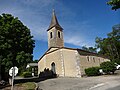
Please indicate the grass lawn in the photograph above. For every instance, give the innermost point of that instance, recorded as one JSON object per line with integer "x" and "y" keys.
{"x": 22, "y": 86}
{"x": 29, "y": 85}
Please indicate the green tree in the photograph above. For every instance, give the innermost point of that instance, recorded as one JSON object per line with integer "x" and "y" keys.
{"x": 114, "y": 3}
{"x": 108, "y": 67}
{"x": 90, "y": 49}
{"x": 110, "y": 46}
{"x": 35, "y": 61}
{"x": 16, "y": 42}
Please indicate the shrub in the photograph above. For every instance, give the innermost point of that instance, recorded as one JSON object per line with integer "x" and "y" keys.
{"x": 108, "y": 67}
{"x": 47, "y": 74}
{"x": 27, "y": 74}
{"x": 92, "y": 71}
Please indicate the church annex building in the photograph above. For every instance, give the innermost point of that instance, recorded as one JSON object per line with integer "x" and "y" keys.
{"x": 64, "y": 61}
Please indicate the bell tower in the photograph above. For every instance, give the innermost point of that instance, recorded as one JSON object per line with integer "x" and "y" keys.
{"x": 55, "y": 33}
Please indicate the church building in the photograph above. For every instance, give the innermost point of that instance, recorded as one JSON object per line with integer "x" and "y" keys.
{"x": 64, "y": 61}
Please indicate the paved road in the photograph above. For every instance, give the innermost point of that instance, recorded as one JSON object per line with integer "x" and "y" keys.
{"x": 89, "y": 83}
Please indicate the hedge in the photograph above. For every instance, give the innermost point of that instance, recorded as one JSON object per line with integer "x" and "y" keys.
{"x": 27, "y": 74}
{"x": 92, "y": 71}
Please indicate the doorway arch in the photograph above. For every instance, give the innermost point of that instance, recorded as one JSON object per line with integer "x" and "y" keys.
{"x": 53, "y": 68}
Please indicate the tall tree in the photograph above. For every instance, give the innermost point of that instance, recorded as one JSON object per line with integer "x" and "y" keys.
{"x": 114, "y": 3}
{"x": 90, "y": 49}
{"x": 110, "y": 46}
{"x": 16, "y": 42}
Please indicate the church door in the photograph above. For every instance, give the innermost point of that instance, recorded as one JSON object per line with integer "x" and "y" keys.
{"x": 53, "y": 68}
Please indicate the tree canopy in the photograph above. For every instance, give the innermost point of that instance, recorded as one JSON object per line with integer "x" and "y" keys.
{"x": 89, "y": 49}
{"x": 114, "y": 3}
{"x": 110, "y": 46}
{"x": 16, "y": 42}
{"x": 108, "y": 67}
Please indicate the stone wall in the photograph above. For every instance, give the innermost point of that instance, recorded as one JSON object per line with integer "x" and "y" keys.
{"x": 69, "y": 62}
{"x": 55, "y": 41}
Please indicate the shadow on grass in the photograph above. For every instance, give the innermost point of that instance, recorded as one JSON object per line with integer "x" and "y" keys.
{"x": 1, "y": 87}
{"x": 46, "y": 74}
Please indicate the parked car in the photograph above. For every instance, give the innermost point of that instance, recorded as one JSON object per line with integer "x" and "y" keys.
{"x": 117, "y": 66}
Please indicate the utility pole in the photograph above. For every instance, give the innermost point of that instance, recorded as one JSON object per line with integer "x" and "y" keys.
{"x": 13, "y": 73}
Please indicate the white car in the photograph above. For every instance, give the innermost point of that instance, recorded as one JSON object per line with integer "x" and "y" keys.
{"x": 101, "y": 71}
{"x": 118, "y": 67}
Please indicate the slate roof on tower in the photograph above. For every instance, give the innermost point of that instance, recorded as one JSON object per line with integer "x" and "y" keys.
{"x": 54, "y": 22}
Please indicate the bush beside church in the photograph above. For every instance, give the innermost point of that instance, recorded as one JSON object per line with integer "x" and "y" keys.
{"x": 107, "y": 67}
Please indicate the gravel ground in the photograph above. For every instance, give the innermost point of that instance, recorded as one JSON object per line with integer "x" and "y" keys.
{"x": 90, "y": 83}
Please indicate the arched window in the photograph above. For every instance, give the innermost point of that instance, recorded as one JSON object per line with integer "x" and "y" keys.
{"x": 50, "y": 34}
{"x": 88, "y": 58}
{"x": 93, "y": 59}
{"x": 58, "y": 34}
{"x": 99, "y": 60}
{"x": 53, "y": 68}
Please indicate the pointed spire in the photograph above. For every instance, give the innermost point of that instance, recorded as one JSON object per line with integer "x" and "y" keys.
{"x": 54, "y": 22}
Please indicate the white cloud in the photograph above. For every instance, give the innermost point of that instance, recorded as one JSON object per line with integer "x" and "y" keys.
{"x": 78, "y": 41}
{"x": 38, "y": 20}
{"x": 79, "y": 34}
{"x": 40, "y": 34}
{"x": 75, "y": 40}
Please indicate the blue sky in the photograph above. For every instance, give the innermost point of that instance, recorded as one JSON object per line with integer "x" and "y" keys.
{"x": 82, "y": 20}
